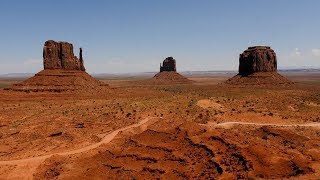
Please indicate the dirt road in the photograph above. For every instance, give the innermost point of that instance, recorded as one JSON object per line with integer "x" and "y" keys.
{"x": 230, "y": 124}
{"x": 24, "y": 168}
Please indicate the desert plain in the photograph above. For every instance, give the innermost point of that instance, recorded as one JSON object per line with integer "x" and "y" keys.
{"x": 133, "y": 130}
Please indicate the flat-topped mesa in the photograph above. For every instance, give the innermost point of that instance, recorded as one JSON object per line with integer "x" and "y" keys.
{"x": 257, "y": 59}
{"x": 258, "y": 67}
{"x": 169, "y": 64}
{"x": 59, "y": 55}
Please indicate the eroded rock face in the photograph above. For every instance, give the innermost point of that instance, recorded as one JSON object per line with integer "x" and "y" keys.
{"x": 169, "y": 64}
{"x": 59, "y": 55}
{"x": 257, "y": 59}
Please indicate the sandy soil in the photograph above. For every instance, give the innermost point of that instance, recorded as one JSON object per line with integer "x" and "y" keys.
{"x": 166, "y": 131}
{"x": 25, "y": 168}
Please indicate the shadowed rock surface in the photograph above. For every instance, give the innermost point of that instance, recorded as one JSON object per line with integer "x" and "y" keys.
{"x": 169, "y": 64}
{"x": 59, "y": 55}
{"x": 258, "y": 66}
{"x": 257, "y": 59}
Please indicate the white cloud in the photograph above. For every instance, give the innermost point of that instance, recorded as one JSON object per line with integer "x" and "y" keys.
{"x": 316, "y": 52}
{"x": 298, "y": 58}
{"x": 297, "y": 52}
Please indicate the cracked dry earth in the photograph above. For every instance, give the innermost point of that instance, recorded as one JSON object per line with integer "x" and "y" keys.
{"x": 189, "y": 132}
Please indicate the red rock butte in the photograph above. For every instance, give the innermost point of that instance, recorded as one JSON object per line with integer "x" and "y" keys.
{"x": 169, "y": 64}
{"x": 258, "y": 66}
{"x": 168, "y": 74}
{"x": 63, "y": 71}
{"x": 59, "y": 55}
{"x": 257, "y": 59}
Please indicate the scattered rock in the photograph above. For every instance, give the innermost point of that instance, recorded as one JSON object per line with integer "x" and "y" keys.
{"x": 80, "y": 125}
{"x": 14, "y": 132}
{"x": 55, "y": 134}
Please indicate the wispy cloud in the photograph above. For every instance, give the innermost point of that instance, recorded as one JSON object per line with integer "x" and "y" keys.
{"x": 296, "y": 53}
{"x": 316, "y": 52}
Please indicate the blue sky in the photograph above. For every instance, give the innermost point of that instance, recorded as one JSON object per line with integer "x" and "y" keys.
{"x": 136, "y": 35}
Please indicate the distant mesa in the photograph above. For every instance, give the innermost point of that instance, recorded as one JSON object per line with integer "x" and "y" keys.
{"x": 258, "y": 66}
{"x": 63, "y": 71}
{"x": 168, "y": 74}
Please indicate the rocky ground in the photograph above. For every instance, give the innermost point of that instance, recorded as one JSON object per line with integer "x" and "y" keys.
{"x": 163, "y": 131}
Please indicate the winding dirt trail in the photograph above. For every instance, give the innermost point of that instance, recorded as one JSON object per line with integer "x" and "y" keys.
{"x": 24, "y": 168}
{"x": 230, "y": 124}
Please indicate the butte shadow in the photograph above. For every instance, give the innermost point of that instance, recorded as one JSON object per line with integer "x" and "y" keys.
{"x": 258, "y": 67}
{"x": 63, "y": 71}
